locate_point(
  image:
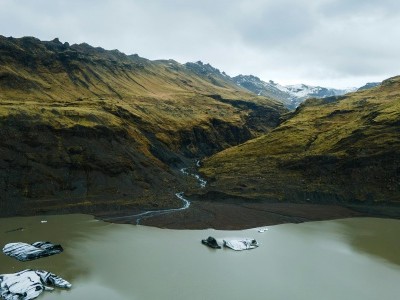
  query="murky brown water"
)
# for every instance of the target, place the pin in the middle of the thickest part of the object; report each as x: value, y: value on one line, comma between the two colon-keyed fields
x: 344, y: 259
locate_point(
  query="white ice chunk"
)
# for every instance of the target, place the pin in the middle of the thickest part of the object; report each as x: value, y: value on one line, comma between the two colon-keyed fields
x: 29, y: 284
x: 241, y: 244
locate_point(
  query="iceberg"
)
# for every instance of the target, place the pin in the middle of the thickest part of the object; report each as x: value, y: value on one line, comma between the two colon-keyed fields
x: 241, y: 244
x: 25, y: 252
x: 29, y: 284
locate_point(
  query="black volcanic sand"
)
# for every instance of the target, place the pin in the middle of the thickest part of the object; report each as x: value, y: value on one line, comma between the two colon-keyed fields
x: 242, y: 215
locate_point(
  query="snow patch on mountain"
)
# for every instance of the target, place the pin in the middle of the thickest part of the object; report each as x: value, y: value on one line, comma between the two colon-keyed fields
x: 290, y: 95
x: 304, y: 91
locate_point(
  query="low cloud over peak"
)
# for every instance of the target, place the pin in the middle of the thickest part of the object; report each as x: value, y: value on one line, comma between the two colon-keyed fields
x: 334, y: 42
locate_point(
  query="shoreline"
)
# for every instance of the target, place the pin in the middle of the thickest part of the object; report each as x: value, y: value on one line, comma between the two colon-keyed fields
x: 234, y: 214
x: 246, y: 215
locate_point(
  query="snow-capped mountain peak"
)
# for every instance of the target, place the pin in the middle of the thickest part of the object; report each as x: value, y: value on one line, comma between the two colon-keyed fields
x: 290, y: 95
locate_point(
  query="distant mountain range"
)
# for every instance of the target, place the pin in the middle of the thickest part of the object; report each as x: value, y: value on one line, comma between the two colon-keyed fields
x: 290, y: 95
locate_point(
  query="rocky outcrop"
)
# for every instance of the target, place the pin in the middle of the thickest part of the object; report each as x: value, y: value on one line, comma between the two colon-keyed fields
x: 211, y: 242
x: 369, y: 85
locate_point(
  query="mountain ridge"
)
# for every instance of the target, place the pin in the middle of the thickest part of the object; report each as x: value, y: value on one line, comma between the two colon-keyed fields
x: 290, y: 95
x: 97, y: 131
x: 340, y: 150
x: 88, y: 130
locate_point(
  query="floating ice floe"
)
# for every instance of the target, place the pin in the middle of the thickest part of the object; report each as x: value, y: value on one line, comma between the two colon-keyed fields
x: 29, y: 284
x: 25, y: 252
x: 235, y: 244
x: 241, y: 244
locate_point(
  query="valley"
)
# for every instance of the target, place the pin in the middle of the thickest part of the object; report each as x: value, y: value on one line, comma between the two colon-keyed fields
x: 88, y: 130
x: 95, y: 131
x: 199, y: 150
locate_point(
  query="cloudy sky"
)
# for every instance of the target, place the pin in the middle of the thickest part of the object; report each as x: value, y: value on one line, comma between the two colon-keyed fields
x: 336, y: 43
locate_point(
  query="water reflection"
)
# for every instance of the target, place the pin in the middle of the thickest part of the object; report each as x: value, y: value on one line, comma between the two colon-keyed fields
x: 377, y: 237
x: 66, y: 230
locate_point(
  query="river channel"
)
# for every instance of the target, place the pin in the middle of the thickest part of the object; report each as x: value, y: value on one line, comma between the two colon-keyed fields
x: 343, y: 259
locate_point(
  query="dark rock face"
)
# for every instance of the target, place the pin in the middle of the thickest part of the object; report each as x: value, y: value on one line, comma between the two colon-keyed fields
x: 71, y: 164
x: 29, y: 284
x: 26, y: 252
x: 211, y: 242
x: 206, y: 140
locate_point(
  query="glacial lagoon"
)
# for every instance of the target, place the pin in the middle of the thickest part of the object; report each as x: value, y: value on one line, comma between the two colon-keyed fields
x: 342, y: 259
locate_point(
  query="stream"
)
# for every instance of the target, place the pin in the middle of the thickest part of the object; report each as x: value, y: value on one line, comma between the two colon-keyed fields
x: 180, y: 195
x: 153, y: 213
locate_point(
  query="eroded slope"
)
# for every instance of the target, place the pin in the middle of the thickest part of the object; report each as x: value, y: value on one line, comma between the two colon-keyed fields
x: 85, y: 129
x: 329, y: 150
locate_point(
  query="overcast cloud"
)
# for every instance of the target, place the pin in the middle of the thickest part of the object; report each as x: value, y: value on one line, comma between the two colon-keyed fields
x: 337, y: 43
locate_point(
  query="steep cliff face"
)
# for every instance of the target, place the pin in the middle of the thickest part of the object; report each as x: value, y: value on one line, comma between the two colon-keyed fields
x: 86, y: 129
x: 339, y: 149
x: 78, y: 169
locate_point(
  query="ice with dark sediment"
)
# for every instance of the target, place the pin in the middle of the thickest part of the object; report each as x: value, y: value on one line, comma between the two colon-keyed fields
x: 25, y: 252
x: 29, y: 284
x: 211, y: 242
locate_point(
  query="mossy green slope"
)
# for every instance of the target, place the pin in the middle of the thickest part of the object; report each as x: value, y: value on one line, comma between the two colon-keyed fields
x: 88, y: 129
x: 334, y: 149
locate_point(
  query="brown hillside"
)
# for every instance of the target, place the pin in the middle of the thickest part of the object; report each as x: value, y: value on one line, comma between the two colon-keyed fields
x: 329, y: 150
x: 85, y: 129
